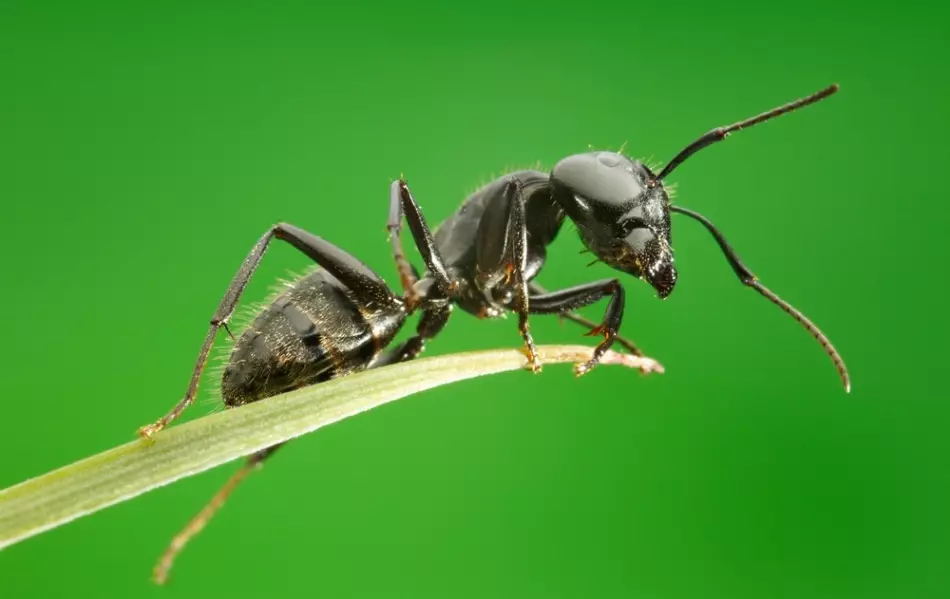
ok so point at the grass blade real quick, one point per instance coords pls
(121, 473)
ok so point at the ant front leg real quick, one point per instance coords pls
(371, 289)
(560, 302)
(629, 345)
(501, 249)
(402, 203)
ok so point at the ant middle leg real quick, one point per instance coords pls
(401, 203)
(433, 320)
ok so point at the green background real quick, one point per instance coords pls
(142, 151)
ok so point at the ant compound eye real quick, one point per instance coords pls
(639, 238)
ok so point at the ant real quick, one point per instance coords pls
(341, 317)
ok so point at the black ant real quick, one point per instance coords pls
(342, 317)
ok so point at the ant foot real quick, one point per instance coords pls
(148, 430)
(529, 351)
(584, 367)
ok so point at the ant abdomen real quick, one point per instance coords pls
(312, 332)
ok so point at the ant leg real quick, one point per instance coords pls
(408, 275)
(434, 319)
(369, 288)
(559, 302)
(197, 524)
(630, 346)
(501, 247)
(402, 203)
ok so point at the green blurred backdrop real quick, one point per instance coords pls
(142, 151)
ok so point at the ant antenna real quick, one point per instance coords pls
(745, 275)
(720, 133)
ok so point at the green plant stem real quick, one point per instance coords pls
(119, 474)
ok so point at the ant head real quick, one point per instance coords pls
(622, 210)
(622, 215)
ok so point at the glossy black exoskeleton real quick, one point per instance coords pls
(485, 256)
(341, 318)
